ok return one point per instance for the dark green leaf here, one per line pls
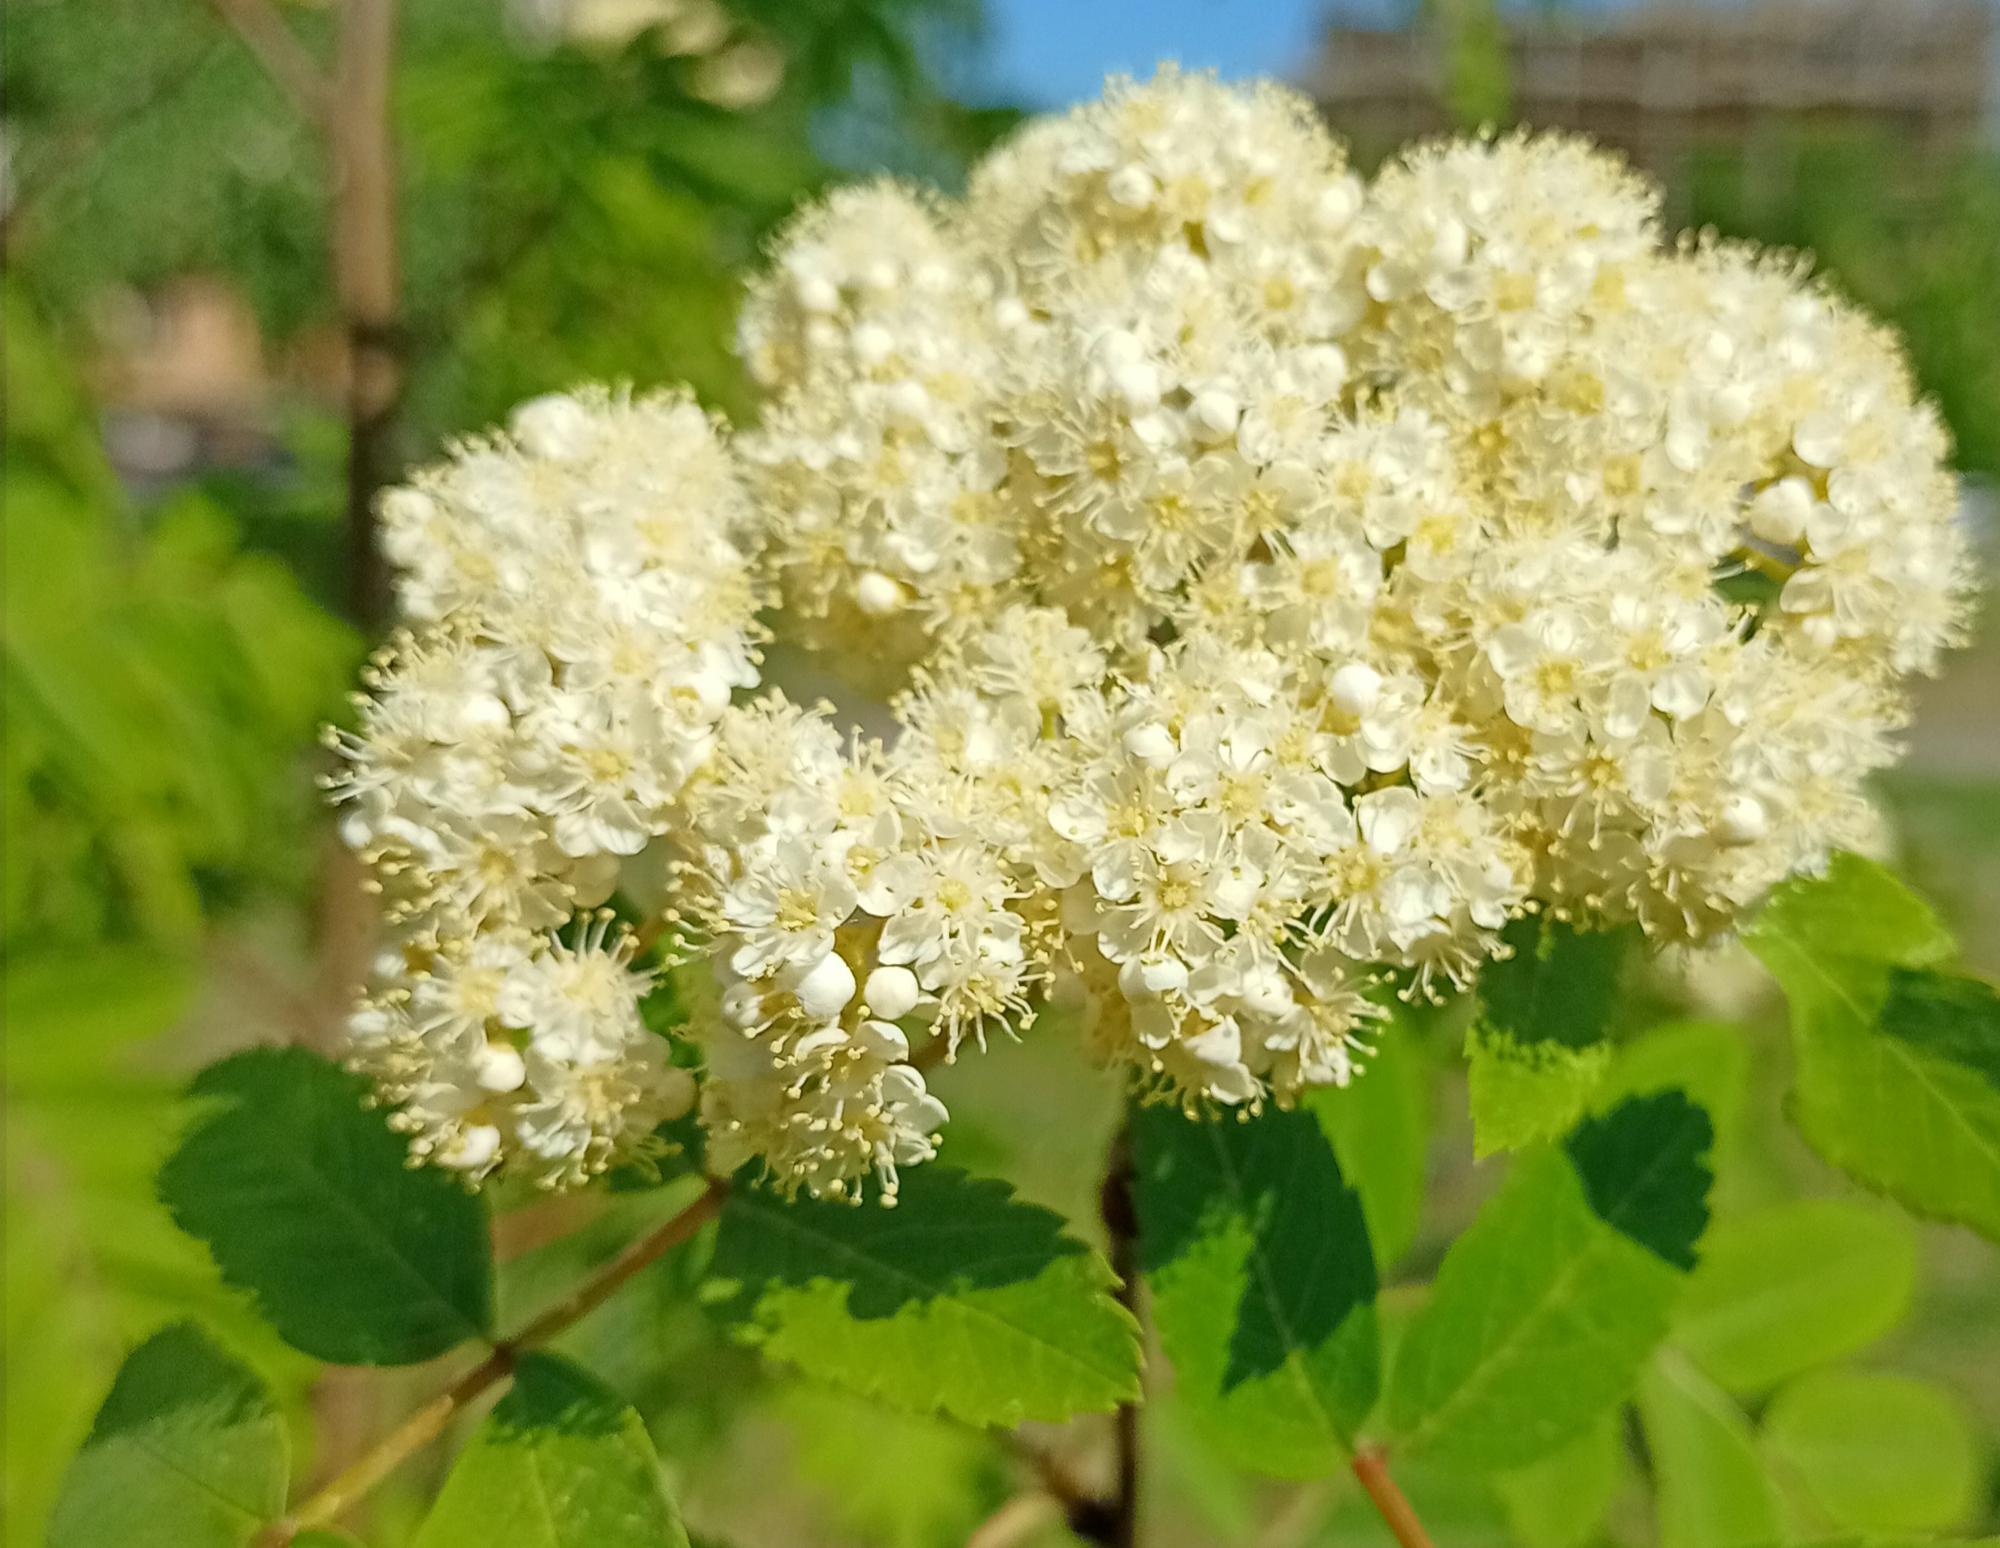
(1644, 1167)
(1545, 1309)
(308, 1201)
(960, 1298)
(188, 1449)
(562, 1462)
(1896, 1080)
(1263, 1283)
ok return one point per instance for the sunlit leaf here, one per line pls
(960, 1298)
(1795, 1285)
(1263, 1284)
(188, 1449)
(561, 1462)
(1545, 1309)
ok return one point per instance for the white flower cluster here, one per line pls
(579, 599)
(1280, 582)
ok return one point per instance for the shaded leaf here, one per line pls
(1645, 1170)
(188, 1449)
(1263, 1284)
(960, 1298)
(1783, 1289)
(561, 1462)
(307, 1200)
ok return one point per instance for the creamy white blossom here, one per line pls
(1276, 583)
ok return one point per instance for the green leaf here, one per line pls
(1709, 1060)
(1783, 1289)
(1545, 1309)
(891, 1479)
(1380, 1125)
(561, 1462)
(308, 1201)
(1875, 1452)
(1896, 1081)
(1538, 1049)
(960, 1298)
(1708, 1480)
(1561, 1501)
(1644, 1167)
(188, 1449)
(1263, 1284)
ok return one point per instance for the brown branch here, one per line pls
(339, 1494)
(368, 280)
(1371, 1467)
(1114, 1523)
(284, 58)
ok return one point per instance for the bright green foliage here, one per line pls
(561, 1462)
(1875, 1452)
(1538, 1050)
(1708, 1479)
(961, 1298)
(1792, 1286)
(1263, 1283)
(1545, 1309)
(307, 1200)
(1560, 1501)
(1709, 1060)
(161, 685)
(1380, 1126)
(1896, 1081)
(892, 1479)
(188, 1449)
(93, 1261)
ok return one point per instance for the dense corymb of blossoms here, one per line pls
(1276, 582)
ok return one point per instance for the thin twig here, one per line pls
(1115, 1522)
(1371, 1467)
(1016, 1521)
(337, 1496)
(284, 58)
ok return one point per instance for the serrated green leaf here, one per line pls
(1875, 1452)
(1538, 1049)
(960, 1298)
(1709, 1060)
(561, 1462)
(1523, 1092)
(1545, 1309)
(307, 1200)
(1561, 1501)
(188, 1449)
(1708, 1479)
(1263, 1284)
(1782, 1289)
(1896, 1084)
(1380, 1125)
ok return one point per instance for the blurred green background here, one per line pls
(578, 185)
